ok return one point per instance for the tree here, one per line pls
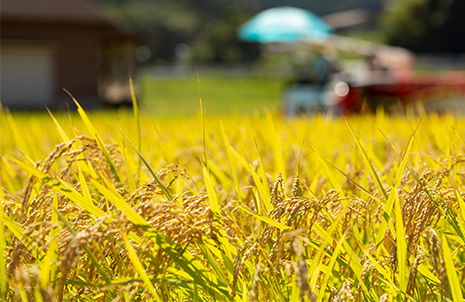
(434, 26)
(207, 26)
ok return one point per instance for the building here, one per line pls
(48, 45)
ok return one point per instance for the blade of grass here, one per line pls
(3, 273)
(212, 261)
(270, 221)
(211, 192)
(84, 188)
(369, 164)
(22, 292)
(157, 179)
(231, 159)
(63, 188)
(264, 193)
(430, 277)
(203, 123)
(264, 181)
(128, 162)
(401, 246)
(54, 232)
(391, 200)
(135, 108)
(63, 134)
(140, 268)
(90, 127)
(327, 236)
(276, 146)
(461, 224)
(18, 231)
(330, 268)
(454, 283)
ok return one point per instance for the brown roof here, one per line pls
(54, 11)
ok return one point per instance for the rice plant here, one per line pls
(122, 207)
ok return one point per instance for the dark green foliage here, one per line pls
(207, 26)
(433, 26)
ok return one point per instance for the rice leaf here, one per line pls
(276, 147)
(401, 246)
(3, 242)
(261, 184)
(423, 269)
(47, 263)
(330, 267)
(157, 179)
(127, 160)
(355, 266)
(112, 195)
(264, 180)
(84, 188)
(140, 268)
(135, 109)
(94, 133)
(393, 195)
(454, 283)
(369, 164)
(63, 134)
(231, 158)
(211, 192)
(212, 261)
(460, 224)
(270, 221)
(63, 188)
(54, 232)
(205, 159)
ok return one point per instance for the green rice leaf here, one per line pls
(157, 179)
(401, 246)
(261, 184)
(94, 133)
(270, 221)
(369, 164)
(135, 108)
(211, 192)
(454, 283)
(329, 273)
(60, 129)
(140, 268)
(63, 188)
(391, 200)
(3, 273)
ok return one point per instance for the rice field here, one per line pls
(126, 207)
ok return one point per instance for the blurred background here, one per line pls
(92, 47)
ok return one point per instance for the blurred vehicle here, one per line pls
(355, 93)
(384, 79)
(436, 91)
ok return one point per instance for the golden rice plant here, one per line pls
(124, 207)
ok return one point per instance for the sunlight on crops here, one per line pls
(261, 208)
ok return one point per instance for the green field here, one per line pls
(222, 95)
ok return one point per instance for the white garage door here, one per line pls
(27, 76)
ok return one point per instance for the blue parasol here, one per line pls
(284, 25)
